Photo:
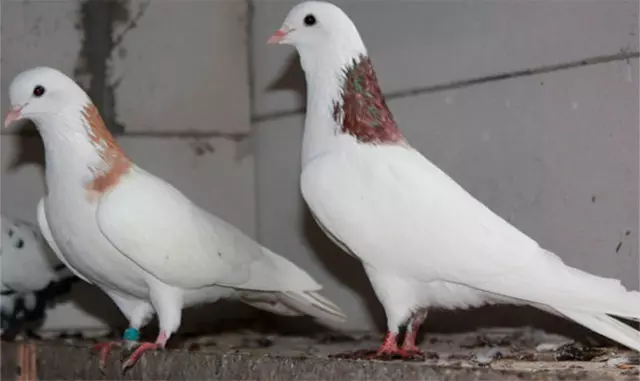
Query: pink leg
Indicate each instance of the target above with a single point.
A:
(409, 343)
(388, 351)
(389, 346)
(104, 348)
(143, 347)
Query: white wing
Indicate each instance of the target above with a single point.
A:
(399, 212)
(162, 231)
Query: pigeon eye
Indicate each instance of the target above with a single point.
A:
(309, 20)
(38, 91)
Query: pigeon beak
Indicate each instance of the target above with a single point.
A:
(279, 36)
(13, 115)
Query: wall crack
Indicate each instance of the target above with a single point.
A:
(132, 24)
(98, 20)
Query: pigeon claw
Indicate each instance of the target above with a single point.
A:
(388, 351)
(412, 350)
(103, 349)
(398, 354)
(382, 355)
(137, 354)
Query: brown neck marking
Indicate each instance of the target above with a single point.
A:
(116, 162)
(365, 114)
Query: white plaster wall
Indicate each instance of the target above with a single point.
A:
(181, 92)
(556, 154)
(184, 68)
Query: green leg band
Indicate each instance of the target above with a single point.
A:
(131, 334)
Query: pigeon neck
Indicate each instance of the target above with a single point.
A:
(362, 111)
(346, 105)
(78, 144)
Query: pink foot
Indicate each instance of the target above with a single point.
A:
(409, 346)
(388, 351)
(104, 348)
(137, 354)
(412, 351)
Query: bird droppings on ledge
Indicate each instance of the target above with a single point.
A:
(485, 357)
(525, 351)
(576, 352)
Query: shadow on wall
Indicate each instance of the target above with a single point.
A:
(291, 78)
(347, 269)
(30, 151)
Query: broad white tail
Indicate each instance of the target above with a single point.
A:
(605, 296)
(294, 303)
(586, 298)
(606, 326)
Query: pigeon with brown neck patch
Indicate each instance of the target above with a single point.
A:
(136, 236)
(423, 240)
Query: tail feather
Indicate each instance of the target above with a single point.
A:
(610, 296)
(280, 286)
(271, 303)
(554, 283)
(296, 303)
(314, 304)
(606, 326)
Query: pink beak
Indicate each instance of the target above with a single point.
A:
(278, 36)
(13, 115)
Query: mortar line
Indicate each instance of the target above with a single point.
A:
(621, 56)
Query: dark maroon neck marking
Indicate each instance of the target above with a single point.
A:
(364, 112)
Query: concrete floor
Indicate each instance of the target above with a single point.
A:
(486, 355)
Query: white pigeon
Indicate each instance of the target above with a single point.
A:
(136, 236)
(32, 276)
(423, 240)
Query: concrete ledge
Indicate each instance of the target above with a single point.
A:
(59, 361)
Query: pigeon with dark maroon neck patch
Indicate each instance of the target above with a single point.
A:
(423, 240)
(137, 237)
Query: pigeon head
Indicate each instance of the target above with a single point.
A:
(320, 31)
(39, 92)
(340, 76)
(60, 108)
